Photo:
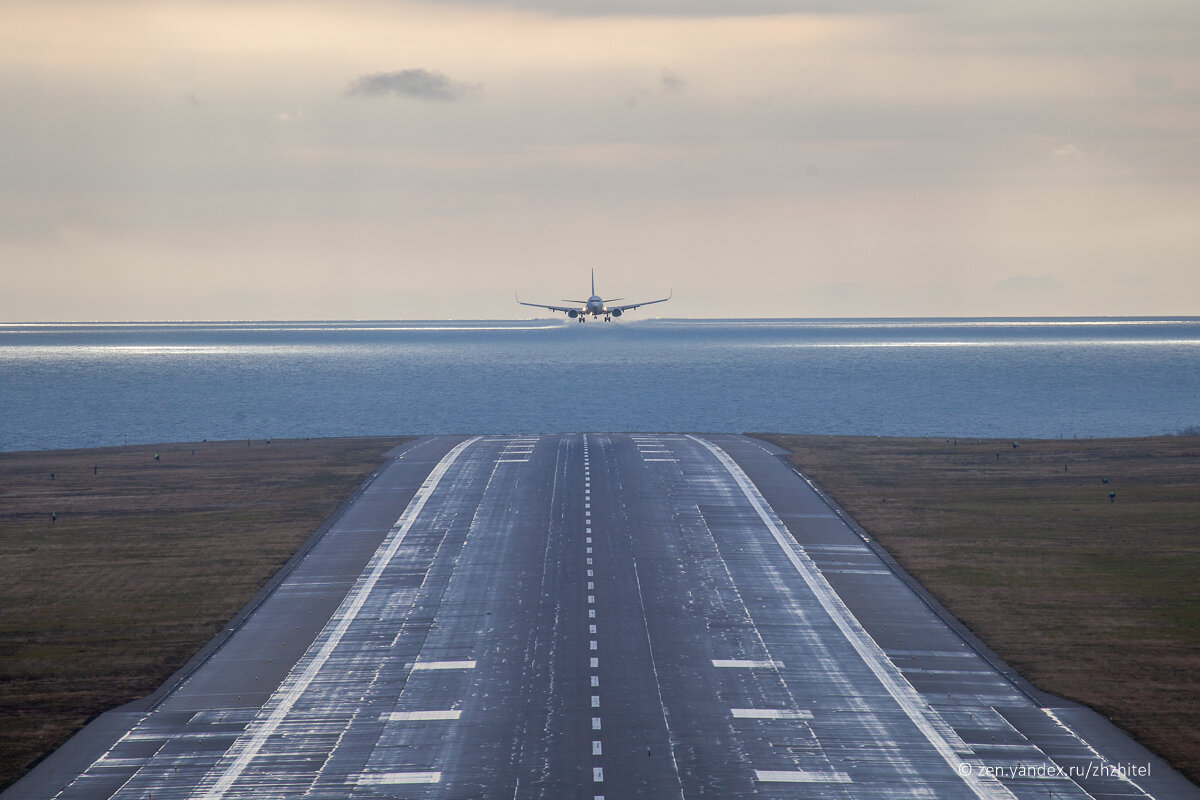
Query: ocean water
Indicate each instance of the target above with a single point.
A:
(83, 385)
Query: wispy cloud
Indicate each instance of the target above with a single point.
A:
(670, 82)
(419, 84)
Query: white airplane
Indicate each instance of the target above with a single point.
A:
(594, 305)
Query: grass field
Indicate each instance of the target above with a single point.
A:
(120, 567)
(1092, 598)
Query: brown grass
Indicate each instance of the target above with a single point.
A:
(1093, 600)
(146, 561)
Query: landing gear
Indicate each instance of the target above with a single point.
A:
(582, 318)
(607, 318)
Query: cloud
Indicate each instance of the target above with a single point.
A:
(671, 83)
(419, 84)
(1068, 151)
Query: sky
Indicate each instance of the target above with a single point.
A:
(372, 159)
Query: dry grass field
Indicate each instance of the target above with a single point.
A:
(1092, 598)
(120, 567)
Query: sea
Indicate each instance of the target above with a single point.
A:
(100, 384)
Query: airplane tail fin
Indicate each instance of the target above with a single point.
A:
(593, 281)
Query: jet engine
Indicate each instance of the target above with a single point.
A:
(616, 312)
(572, 313)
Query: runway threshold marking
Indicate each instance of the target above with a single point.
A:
(935, 730)
(246, 748)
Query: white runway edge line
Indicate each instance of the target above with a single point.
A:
(246, 748)
(982, 784)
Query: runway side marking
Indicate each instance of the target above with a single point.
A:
(344, 616)
(1095, 753)
(388, 778)
(407, 716)
(738, 663)
(983, 785)
(771, 713)
(800, 776)
(444, 665)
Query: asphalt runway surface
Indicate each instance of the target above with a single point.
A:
(597, 616)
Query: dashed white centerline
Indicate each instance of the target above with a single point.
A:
(595, 723)
(598, 774)
(597, 749)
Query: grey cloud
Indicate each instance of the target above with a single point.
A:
(419, 84)
(671, 83)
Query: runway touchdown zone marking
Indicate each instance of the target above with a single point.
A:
(415, 716)
(390, 778)
(799, 776)
(770, 713)
(443, 665)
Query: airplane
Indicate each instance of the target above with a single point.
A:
(594, 305)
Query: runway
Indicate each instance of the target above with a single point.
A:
(597, 616)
